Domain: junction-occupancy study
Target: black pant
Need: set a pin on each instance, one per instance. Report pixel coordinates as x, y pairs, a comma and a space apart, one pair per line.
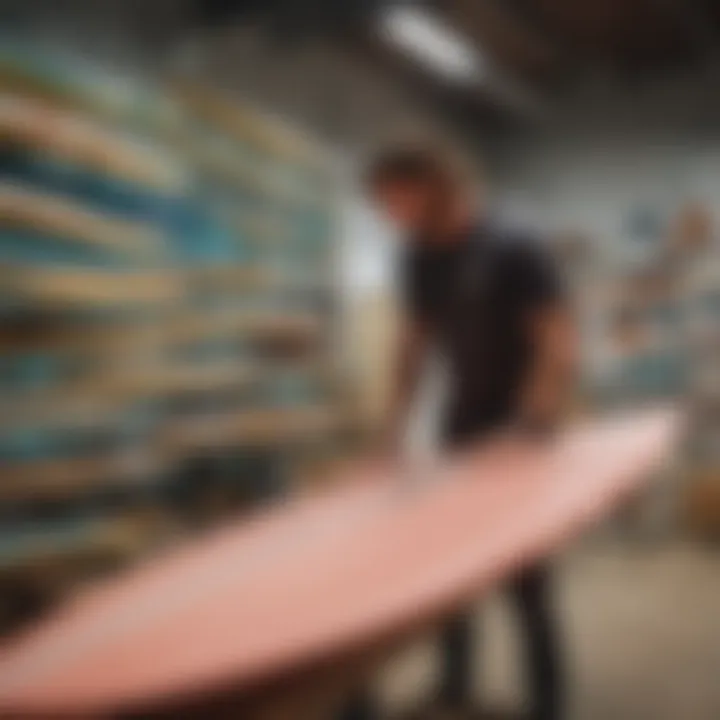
530, 594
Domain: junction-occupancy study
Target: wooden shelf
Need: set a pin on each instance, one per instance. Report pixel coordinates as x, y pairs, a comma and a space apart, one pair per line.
109, 98
32, 551
169, 330
43, 128
23, 208
66, 477
249, 126
256, 427
55, 287
164, 450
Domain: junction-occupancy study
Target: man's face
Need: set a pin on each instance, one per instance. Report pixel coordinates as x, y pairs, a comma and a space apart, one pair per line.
408, 206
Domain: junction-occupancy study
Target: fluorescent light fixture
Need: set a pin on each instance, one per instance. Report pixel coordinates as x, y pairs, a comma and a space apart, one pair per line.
429, 40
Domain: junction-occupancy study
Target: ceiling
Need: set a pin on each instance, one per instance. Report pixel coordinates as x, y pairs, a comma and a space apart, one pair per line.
540, 41
541, 49
552, 41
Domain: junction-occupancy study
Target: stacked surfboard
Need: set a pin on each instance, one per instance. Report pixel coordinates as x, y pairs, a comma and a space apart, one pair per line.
166, 307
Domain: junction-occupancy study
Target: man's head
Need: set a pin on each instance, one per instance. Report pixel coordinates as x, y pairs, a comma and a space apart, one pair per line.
419, 191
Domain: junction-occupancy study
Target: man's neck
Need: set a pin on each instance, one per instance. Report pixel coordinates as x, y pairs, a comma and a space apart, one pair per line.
456, 226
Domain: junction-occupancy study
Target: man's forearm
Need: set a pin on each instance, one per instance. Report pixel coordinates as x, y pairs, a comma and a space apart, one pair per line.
407, 370
551, 377
545, 396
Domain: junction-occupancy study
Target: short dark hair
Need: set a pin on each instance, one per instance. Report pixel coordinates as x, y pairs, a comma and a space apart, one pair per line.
408, 165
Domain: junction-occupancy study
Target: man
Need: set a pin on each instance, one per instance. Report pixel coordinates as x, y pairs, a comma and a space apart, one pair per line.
491, 302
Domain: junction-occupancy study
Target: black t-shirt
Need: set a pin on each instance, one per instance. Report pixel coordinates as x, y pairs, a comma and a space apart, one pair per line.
476, 296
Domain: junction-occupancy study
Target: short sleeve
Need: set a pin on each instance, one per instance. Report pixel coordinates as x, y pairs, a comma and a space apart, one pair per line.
539, 277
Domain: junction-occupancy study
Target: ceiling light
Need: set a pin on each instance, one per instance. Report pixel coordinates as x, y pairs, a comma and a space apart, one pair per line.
431, 41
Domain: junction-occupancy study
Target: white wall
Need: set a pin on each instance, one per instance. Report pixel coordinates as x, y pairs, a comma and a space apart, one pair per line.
593, 184
605, 153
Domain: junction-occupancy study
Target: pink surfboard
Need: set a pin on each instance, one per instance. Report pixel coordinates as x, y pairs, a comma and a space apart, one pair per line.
318, 578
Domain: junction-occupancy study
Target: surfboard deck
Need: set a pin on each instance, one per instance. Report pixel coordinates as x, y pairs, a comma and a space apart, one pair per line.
327, 578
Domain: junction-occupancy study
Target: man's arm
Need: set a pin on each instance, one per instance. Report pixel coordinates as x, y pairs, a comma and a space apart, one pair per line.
552, 372
409, 361
553, 337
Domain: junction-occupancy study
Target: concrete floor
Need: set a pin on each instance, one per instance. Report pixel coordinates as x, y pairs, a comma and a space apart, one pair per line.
642, 633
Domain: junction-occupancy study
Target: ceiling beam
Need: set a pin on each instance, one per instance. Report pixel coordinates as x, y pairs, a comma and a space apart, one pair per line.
470, 109
533, 22
696, 17
505, 34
